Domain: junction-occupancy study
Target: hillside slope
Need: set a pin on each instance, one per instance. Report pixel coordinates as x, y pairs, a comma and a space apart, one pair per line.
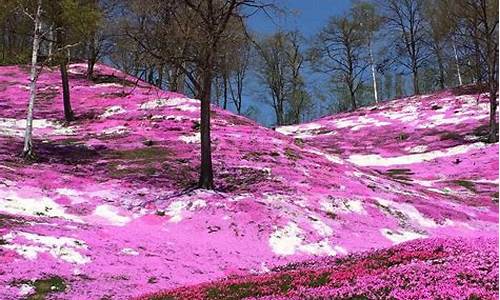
108, 210
435, 141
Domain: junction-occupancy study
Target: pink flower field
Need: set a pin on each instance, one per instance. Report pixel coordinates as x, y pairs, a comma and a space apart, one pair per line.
394, 201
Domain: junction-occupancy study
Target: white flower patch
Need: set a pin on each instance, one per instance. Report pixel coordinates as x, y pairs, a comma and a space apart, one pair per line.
377, 160
405, 115
187, 107
400, 236
112, 110
161, 102
77, 69
329, 157
286, 240
359, 123
63, 248
290, 239
301, 130
106, 85
343, 206
441, 119
173, 118
129, 251
320, 248
13, 203
115, 130
321, 227
177, 209
68, 192
16, 128
191, 139
26, 289
239, 197
271, 198
409, 211
110, 213
417, 149
74, 195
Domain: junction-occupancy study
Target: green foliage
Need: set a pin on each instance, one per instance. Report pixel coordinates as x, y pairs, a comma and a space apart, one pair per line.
319, 280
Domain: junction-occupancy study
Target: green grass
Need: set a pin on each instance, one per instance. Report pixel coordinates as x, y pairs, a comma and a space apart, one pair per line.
466, 184
291, 154
44, 287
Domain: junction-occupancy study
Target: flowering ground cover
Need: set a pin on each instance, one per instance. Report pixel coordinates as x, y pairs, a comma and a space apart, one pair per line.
420, 269
108, 209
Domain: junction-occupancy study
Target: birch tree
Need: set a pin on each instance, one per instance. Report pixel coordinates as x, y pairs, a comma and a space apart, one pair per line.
28, 134
370, 22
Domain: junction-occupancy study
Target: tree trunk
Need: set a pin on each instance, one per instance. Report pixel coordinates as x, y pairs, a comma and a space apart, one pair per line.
90, 68
28, 134
353, 100
151, 75
441, 70
68, 112
374, 79
416, 89
457, 63
206, 180
493, 134
224, 78
51, 42
159, 82
91, 58
477, 58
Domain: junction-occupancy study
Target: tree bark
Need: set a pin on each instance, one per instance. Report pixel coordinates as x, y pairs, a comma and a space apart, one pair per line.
224, 78
457, 63
206, 180
493, 126
91, 57
68, 111
441, 69
51, 42
374, 79
28, 134
416, 89
159, 81
90, 69
353, 100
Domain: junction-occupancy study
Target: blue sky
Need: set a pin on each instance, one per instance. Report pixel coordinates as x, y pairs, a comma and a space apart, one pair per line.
306, 16
309, 16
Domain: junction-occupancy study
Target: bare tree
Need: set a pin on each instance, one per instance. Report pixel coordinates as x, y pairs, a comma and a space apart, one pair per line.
97, 39
438, 33
476, 24
72, 21
272, 71
339, 51
28, 134
280, 64
239, 74
298, 96
196, 30
406, 19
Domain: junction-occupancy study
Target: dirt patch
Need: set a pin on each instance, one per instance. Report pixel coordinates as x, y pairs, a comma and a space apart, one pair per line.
68, 154
112, 79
